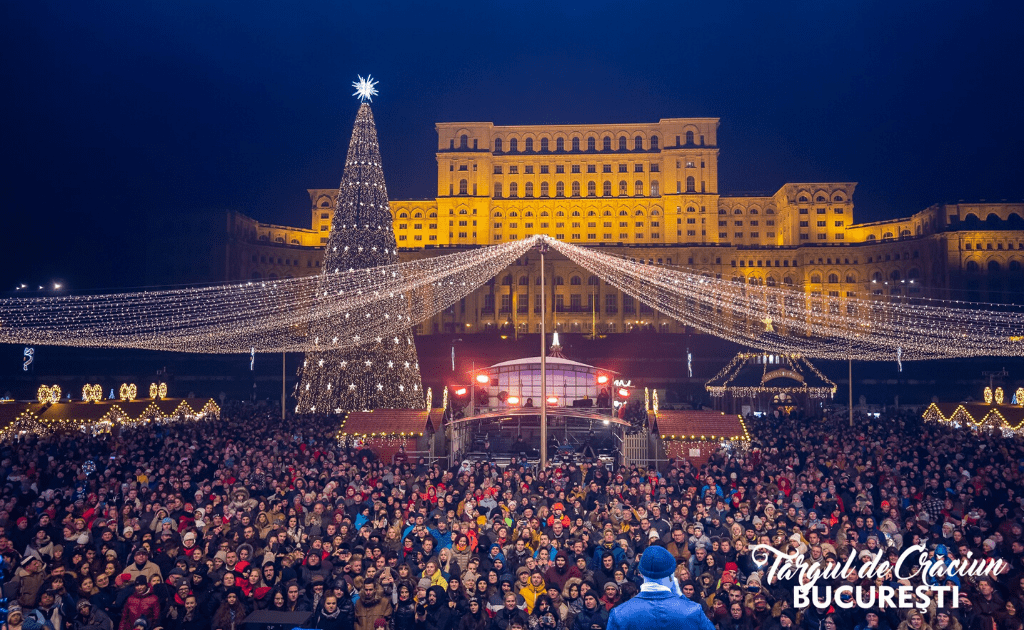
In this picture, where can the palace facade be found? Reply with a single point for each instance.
(645, 191)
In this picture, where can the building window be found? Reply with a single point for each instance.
(607, 189)
(528, 189)
(606, 168)
(575, 168)
(689, 137)
(607, 143)
(462, 187)
(691, 184)
(543, 189)
(513, 189)
(528, 169)
(560, 144)
(575, 144)
(513, 170)
(497, 145)
(529, 144)
(543, 168)
(591, 189)
(638, 144)
(497, 190)
(575, 189)
(513, 145)
(543, 144)
(638, 188)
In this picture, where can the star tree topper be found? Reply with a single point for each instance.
(365, 88)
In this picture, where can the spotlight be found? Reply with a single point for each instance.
(552, 400)
(512, 400)
(460, 391)
(602, 379)
(623, 392)
(483, 379)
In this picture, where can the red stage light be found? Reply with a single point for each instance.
(623, 392)
(483, 379)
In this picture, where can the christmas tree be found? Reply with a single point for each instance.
(383, 372)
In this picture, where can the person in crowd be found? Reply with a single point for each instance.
(191, 525)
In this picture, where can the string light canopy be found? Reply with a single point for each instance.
(352, 305)
(810, 325)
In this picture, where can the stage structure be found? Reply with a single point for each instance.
(578, 405)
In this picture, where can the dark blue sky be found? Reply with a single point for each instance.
(114, 109)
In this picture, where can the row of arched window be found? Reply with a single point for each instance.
(819, 199)
(577, 213)
(993, 266)
(740, 211)
(574, 143)
(558, 281)
(606, 189)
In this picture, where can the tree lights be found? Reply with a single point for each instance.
(383, 371)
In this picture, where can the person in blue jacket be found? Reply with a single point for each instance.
(660, 603)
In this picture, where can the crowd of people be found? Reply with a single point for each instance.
(194, 526)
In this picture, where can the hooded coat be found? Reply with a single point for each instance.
(557, 577)
(439, 616)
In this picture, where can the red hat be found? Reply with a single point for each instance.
(558, 506)
(22, 519)
(732, 566)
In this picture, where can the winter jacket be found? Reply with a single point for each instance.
(591, 619)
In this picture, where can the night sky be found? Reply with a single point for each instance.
(115, 109)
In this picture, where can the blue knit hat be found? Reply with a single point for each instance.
(657, 563)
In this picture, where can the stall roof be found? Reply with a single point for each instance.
(389, 422)
(676, 424)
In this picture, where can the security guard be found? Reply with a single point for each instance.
(659, 606)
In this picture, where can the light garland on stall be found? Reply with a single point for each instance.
(100, 417)
(992, 418)
(158, 390)
(988, 395)
(792, 364)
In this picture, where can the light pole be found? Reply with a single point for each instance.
(543, 247)
(850, 365)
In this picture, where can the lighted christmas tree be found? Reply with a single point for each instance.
(383, 372)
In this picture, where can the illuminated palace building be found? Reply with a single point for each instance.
(648, 192)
